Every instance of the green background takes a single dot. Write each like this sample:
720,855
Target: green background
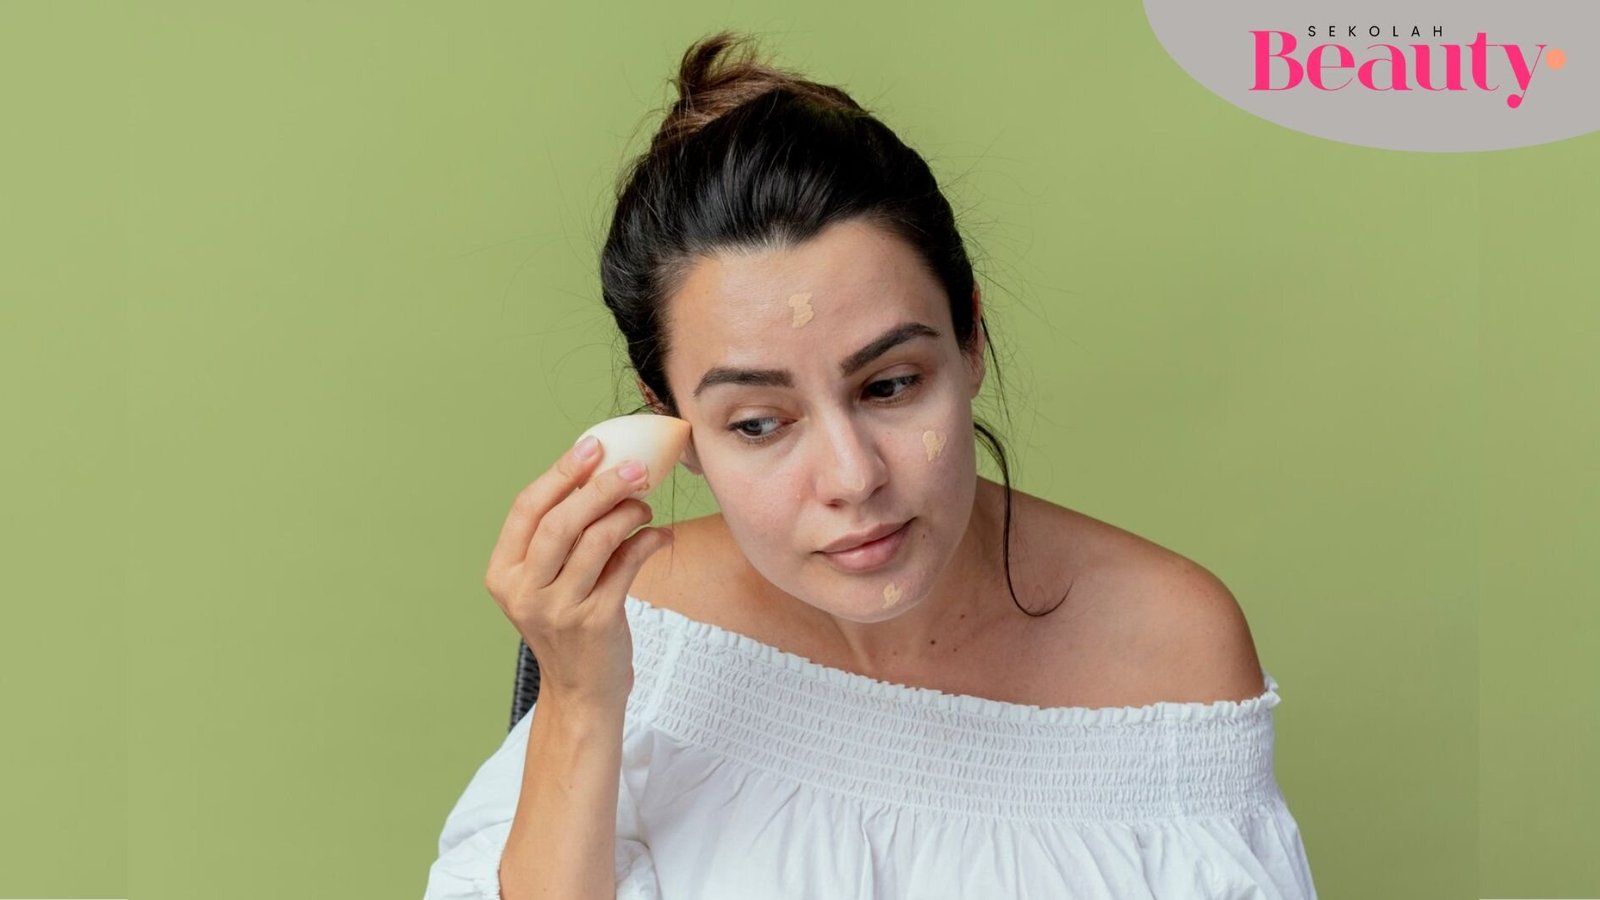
296,296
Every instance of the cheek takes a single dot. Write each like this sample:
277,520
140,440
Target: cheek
761,502
761,514
938,440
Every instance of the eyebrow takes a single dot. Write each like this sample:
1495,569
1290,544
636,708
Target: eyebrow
890,339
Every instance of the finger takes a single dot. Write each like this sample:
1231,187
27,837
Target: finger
599,543
531,505
617,578
558,534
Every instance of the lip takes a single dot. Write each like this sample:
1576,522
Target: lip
851,541
873,553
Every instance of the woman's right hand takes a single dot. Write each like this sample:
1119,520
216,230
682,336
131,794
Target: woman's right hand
561,569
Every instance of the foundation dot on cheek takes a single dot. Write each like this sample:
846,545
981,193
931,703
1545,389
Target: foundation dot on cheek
933,442
891,595
800,304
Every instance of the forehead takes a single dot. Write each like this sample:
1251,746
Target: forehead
740,308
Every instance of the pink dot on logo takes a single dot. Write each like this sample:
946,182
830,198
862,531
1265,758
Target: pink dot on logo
1557,58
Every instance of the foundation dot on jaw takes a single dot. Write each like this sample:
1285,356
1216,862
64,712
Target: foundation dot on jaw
891,595
933,442
801,305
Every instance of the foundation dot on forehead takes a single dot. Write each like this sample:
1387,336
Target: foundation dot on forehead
801,305
891,595
933,442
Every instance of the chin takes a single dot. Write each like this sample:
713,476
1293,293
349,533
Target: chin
876,596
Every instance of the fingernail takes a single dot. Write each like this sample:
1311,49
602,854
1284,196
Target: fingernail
632,470
588,446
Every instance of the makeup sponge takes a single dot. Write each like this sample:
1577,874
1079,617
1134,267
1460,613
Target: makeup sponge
656,441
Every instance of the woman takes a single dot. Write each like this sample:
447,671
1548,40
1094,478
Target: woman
988,696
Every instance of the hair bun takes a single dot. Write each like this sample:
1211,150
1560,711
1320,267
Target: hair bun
715,64
724,71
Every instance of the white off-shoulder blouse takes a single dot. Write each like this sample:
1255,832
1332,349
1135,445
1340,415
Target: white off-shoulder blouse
751,773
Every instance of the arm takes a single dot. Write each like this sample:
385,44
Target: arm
476,835
562,842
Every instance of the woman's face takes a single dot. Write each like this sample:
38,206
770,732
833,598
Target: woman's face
844,432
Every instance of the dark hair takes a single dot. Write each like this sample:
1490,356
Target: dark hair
756,157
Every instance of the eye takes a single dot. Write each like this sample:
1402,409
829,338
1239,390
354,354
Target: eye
909,383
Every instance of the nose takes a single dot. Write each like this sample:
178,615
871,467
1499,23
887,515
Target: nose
851,468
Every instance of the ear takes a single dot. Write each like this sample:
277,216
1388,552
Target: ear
689,459
980,342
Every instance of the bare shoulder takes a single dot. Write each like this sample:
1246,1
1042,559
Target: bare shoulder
1139,623
1174,629
676,578
705,577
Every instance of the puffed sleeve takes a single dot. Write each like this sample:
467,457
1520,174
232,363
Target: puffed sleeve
1257,856
477,828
